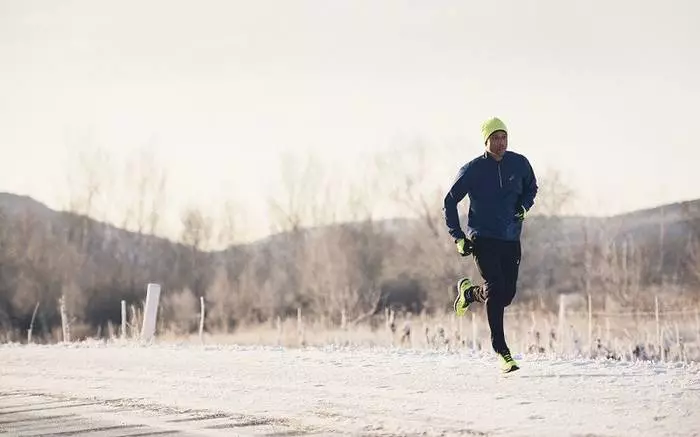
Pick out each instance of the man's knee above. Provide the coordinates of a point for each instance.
(509, 294)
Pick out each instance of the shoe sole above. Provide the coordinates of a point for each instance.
(511, 369)
(459, 302)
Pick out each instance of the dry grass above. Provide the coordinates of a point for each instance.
(622, 336)
(568, 333)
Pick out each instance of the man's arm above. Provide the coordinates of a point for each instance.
(459, 189)
(527, 199)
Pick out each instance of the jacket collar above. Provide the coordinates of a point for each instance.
(489, 157)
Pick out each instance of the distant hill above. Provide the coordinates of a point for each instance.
(15, 206)
(676, 221)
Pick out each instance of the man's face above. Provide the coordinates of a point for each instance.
(497, 144)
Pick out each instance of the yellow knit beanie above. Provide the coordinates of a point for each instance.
(490, 126)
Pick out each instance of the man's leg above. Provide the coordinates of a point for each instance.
(487, 254)
(494, 311)
(510, 262)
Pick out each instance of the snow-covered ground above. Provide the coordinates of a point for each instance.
(233, 390)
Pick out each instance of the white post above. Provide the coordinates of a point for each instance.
(590, 325)
(150, 312)
(279, 330)
(64, 319)
(201, 319)
(31, 324)
(299, 320)
(663, 348)
(123, 320)
(562, 323)
(658, 326)
(300, 327)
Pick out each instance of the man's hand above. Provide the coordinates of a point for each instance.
(521, 214)
(465, 247)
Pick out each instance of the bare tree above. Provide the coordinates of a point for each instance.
(88, 182)
(343, 267)
(693, 260)
(230, 222)
(220, 296)
(146, 183)
(405, 171)
(555, 196)
(293, 210)
(621, 269)
(180, 310)
(296, 205)
(197, 231)
(360, 196)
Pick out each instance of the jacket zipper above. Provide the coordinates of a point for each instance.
(500, 180)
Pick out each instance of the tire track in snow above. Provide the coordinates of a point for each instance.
(39, 415)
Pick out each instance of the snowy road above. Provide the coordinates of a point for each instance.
(130, 390)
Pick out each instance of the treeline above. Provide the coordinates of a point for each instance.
(355, 268)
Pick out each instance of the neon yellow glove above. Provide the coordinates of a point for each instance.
(465, 247)
(521, 214)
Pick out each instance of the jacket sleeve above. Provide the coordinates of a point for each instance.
(459, 189)
(527, 198)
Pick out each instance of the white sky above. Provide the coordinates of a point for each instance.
(605, 91)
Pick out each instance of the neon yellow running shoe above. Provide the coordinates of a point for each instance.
(508, 364)
(464, 297)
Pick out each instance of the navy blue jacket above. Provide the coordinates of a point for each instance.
(496, 190)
